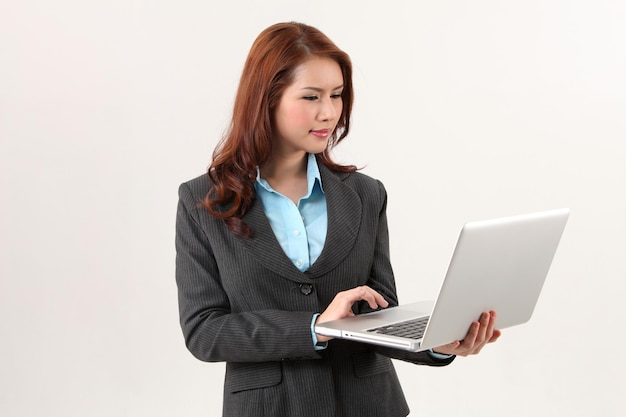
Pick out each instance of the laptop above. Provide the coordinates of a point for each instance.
(499, 264)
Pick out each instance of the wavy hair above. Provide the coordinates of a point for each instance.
(268, 71)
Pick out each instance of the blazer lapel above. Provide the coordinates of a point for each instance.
(264, 246)
(344, 219)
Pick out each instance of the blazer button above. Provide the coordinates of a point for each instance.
(306, 289)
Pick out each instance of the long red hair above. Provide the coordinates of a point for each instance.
(268, 70)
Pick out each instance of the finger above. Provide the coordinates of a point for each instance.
(373, 298)
(380, 300)
(491, 334)
(492, 324)
(495, 336)
(471, 345)
(483, 334)
(350, 297)
(489, 331)
(470, 338)
(484, 326)
(449, 349)
(346, 299)
(341, 305)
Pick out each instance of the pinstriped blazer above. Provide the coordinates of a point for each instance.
(242, 301)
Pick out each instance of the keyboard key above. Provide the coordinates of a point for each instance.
(412, 329)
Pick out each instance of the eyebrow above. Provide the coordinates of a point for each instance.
(321, 89)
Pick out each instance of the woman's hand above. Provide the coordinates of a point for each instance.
(341, 306)
(480, 333)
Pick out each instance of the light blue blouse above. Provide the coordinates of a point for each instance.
(300, 229)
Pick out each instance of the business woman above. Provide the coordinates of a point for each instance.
(276, 237)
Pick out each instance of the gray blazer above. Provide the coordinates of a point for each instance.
(242, 301)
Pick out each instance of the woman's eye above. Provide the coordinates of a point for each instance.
(332, 96)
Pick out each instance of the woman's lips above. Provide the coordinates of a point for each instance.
(321, 133)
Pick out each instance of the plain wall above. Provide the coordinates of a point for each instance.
(464, 109)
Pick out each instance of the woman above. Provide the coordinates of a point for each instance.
(277, 236)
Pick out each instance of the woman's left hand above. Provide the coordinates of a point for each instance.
(480, 333)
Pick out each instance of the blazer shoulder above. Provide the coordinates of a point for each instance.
(351, 179)
(365, 185)
(359, 177)
(198, 187)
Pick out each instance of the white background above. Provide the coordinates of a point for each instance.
(465, 110)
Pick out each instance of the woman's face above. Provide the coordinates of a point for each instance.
(309, 108)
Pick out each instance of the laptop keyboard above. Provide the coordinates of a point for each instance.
(412, 329)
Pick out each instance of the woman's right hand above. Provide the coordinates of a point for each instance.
(341, 306)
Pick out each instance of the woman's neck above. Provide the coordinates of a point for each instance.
(285, 168)
(288, 176)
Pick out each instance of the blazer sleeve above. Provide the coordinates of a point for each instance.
(212, 331)
(382, 280)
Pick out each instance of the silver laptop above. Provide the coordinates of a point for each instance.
(498, 264)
